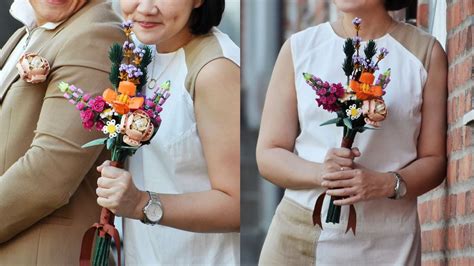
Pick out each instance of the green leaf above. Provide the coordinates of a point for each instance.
(114, 75)
(372, 128)
(166, 85)
(128, 148)
(146, 60)
(347, 123)
(63, 86)
(95, 143)
(116, 54)
(110, 143)
(307, 76)
(370, 49)
(332, 121)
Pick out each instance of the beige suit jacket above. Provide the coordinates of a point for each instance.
(47, 181)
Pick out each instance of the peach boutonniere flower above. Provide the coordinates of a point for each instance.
(33, 68)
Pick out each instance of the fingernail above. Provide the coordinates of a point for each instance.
(324, 183)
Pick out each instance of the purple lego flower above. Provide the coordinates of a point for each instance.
(356, 21)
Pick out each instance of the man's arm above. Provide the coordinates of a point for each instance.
(49, 173)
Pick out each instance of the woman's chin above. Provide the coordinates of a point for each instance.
(147, 38)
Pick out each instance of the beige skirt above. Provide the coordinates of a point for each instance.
(291, 238)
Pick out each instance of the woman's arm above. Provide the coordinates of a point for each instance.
(217, 108)
(429, 169)
(278, 131)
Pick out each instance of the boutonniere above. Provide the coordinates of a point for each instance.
(33, 68)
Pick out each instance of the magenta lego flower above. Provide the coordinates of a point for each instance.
(157, 120)
(99, 125)
(87, 115)
(158, 109)
(86, 97)
(97, 104)
(80, 106)
(88, 124)
(150, 104)
(150, 113)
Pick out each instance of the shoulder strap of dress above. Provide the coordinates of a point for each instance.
(199, 52)
(415, 40)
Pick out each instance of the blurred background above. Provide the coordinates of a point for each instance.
(266, 24)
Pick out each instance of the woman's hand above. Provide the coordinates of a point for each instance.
(358, 184)
(117, 192)
(338, 159)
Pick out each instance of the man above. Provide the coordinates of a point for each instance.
(47, 181)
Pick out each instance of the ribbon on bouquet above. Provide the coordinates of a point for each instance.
(103, 230)
(346, 142)
(351, 223)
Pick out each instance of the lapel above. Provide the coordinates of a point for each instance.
(39, 44)
(44, 36)
(10, 45)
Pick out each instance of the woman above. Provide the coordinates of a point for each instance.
(294, 152)
(187, 181)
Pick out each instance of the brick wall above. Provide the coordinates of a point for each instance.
(447, 213)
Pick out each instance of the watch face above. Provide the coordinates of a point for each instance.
(403, 189)
(154, 213)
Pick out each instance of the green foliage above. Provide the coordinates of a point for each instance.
(116, 57)
(146, 60)
(114, 75)
(332, 121)
(116, 54)
(370, 49)
(348, 66)
(349, 50)
(95, 142)
(347, 123)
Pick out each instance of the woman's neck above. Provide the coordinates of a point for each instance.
(373, 26)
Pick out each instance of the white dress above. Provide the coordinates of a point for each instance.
(388, 231)
(174, 163)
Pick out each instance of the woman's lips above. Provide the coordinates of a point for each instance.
(148, 25)
(56, 2)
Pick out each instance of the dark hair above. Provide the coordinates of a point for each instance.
(392, 5)
(208, 15)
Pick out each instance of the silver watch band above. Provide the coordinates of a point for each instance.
(398, 181)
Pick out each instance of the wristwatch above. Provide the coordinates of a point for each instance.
(153, 211)
(400, 187)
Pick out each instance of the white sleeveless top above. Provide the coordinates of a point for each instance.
(388, 231)
(174, 163)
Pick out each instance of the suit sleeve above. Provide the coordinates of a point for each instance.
(51, 170)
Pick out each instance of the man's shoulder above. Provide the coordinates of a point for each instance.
(86, 37)
(98, 20)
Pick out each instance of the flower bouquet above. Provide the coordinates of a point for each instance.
(128, 121)
(359, 105)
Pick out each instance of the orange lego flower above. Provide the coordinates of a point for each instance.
(124, 100)
(364, 89)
